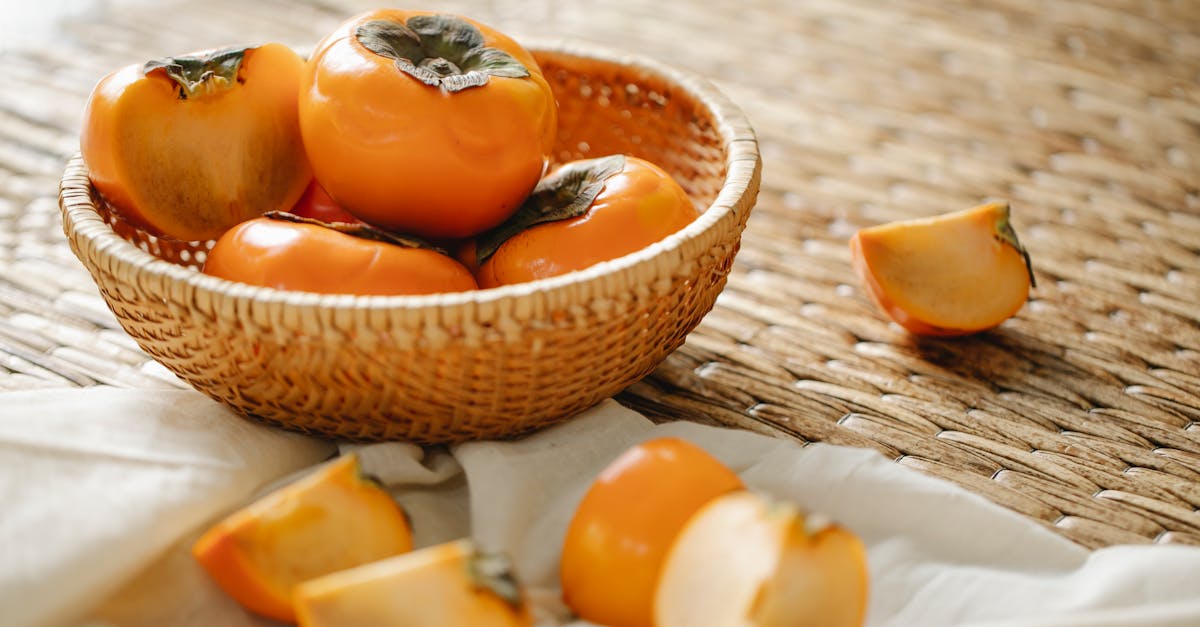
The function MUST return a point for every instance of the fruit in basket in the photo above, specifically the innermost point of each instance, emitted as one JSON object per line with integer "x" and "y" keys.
{"x": 448, "y": 584}
{"x": 583, "y": 213}
{"x": 287, "y": 252}
{"x": 951, "y": 274}
{"x": 428, "y": 124}
{"x": 621, "y": 530}
{"x": 316, "y": 204}
{"x": 186, "y": 147}
{"x": 744, "y": 559}
{"x": 333, "y": 519}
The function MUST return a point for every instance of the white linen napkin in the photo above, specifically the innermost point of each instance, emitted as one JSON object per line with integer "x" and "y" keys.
{"x": 106, "y": 489}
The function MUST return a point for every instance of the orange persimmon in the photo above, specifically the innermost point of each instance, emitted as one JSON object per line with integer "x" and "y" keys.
{"x": 186, "y": 147}
{"x": 744, "y": 559}
{"x": 312, "y": 257}
{"x": 952, "y": 274}
{"x": 316, "y": 204}
{"x": 331, "y": 520}
{"x": 616, "y": 541}
{"x": 583, "y": 213}
{"x": 454, "y": 583}
{"x": 429, "y": 124}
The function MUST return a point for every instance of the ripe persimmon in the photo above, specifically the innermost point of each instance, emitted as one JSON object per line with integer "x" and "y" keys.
{"x": 428, "y": 124}
{"x": 331, "y": 520}
{"x": 952, "y": 274}
{"x": 583, "y": 213}
{"x": 186, "y": 147}
{"x": 307, "y": 256}
{"x": 621, "y": 531}
{"x": 316, "y": 204}
{"x": 454, "y": 583}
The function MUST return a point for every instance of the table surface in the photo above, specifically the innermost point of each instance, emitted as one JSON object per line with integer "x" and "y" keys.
{"x": 1082, "y": 412}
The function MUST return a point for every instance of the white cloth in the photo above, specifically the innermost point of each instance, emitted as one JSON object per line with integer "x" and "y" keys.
{"x": 105, "y": 490}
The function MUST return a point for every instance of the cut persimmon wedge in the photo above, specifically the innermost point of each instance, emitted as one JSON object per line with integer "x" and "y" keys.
{"x": 448, "y": 584}
{"x": 333, "y": 519}
{"x": 953, "y": 274}
{"x": 744, "y": 560}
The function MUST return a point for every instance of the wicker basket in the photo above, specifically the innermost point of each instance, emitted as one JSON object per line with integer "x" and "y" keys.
{"x": 452, "y": 367}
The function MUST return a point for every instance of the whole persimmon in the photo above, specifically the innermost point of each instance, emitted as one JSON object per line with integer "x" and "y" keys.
{"x": 583, "y": 213}
{"x": 428, "y": 124}
{"x": 186, "y": 147}
{"x": 291, "y": 253}
{"x": 622, "y": 529}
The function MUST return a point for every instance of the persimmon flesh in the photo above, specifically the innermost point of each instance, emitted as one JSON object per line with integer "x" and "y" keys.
{"x": 186, "y": 147}
{"x": 331, "y": 520}
{"x": 953, "y": 274}
{"x": 746, "y": 560}
{"x": 446, "y": 584}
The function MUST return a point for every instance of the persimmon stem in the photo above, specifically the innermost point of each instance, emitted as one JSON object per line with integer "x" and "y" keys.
{"x": 201, "y": 75}
{"x": 439, "y": 50}
{"x": 1008, "y": 235}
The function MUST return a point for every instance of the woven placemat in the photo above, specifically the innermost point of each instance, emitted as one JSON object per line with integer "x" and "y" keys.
{"x": 1081, "y": 412}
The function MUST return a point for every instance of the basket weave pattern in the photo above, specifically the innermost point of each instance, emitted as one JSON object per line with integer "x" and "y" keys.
{"x": 452, "y": 367}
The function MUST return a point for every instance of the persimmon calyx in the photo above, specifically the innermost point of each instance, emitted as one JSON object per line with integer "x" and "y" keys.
{"x": 494, "y": 572}
{"x": 565, "y": 194}
{"x": 359, "y": 230}
{"x": 1007, "y": 234}
{"x": 202, "y": 74}
{"x": 439, "y": 50}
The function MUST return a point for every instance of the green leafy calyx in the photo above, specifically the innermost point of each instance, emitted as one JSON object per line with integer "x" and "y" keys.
{"x": 439, "y": 50}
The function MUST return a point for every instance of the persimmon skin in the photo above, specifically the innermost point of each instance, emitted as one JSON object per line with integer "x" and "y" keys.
{"x": 639, "y": 205}
{"x": 311, "y": 258}
{"x": 190, "y": 168}
{"x": 622, "y": 529}
{"x": 260, "y": 553}
{"x": 408, "y": 157}
{"x": 316, "y": 204}
{"x": 945, "y": 276}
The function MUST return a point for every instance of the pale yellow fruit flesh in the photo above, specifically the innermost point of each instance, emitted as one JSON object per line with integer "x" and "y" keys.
{"x": 746, "y": 561}
{"x": 951, "y": 271}
{"x": 432, "y": 587}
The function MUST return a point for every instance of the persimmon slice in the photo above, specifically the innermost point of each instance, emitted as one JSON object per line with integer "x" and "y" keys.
{"x": 746, "y": 560}
{"x": 952, "y": 274}
{"x": 448, "y": 584}
{"x": 331, "y": 520}
{"x": 186, "y": 147}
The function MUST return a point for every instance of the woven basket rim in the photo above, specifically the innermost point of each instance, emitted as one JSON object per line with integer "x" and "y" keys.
{"x": 83, "y": 222}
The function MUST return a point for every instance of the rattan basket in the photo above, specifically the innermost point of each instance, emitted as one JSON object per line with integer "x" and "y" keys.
{"x": 443, "y": 368}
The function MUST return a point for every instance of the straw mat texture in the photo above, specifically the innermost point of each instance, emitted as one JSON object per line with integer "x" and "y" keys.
{"x": 1082, "y": 412}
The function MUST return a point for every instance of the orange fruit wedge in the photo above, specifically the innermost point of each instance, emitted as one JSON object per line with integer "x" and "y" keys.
{"x": 333, "y": 519}
{"x": 744, "y": 560}
{"x": 953, "y": 274}
{"x": 621, "y": 530}
{"x": 448, "y": 584}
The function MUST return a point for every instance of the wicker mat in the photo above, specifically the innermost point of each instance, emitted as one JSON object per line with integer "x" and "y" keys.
{"x": 1082, "y": 412}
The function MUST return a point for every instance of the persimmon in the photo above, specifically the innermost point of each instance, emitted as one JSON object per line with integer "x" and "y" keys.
{"x": 616, "y": 542}
{"x": 744, "y": 559}
{"x": 315, "y": 204}
{"x": 952, "y": 274}
{"x": 429, "y": 124}
{"x": 454, "y": 583}
{"x": 186, "y": 147}
{"x": 331, "y": 520}
{"x": 584, "y": 213}
{"x": 310, "y": 256}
